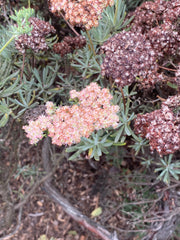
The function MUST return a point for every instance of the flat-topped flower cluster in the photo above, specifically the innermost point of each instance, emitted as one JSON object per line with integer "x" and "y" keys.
{"x": 82, "y": 12}
{"x": 67, "y": 124}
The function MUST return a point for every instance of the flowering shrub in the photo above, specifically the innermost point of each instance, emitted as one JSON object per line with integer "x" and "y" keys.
{"x": 135, "y": 54}
{"x": 67, "y": 124}
{"x": 147, "y": 54}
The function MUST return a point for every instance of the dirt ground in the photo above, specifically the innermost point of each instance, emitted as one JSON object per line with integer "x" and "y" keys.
{"x": 127, "y": 195}
{"x": 87, "y": 186}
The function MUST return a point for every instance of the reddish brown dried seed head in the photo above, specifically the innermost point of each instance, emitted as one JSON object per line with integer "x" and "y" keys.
{"x": 129, "y": 57}
{"x": 36, "y": 41}
{"x": 161, "y": 127}
{"x": 135, "y": 55}
{"x": 69, "y": 44}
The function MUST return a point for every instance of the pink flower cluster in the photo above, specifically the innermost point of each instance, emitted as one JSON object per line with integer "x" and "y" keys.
{"x": 67, "y": 124}
{"x": 82, "y": 12}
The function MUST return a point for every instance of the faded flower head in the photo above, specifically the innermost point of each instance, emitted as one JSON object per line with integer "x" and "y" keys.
{"x": 69, "y": 44}
{"x": 129, "y": 57}
{"x": 34, "y": 113}
{"x": 36, "y": 41}
{"x": 67, "y": 124}
{"x": 164, "y": 39}
{"x": 161, "y": 127}
{"x": 154, "y": 36}
{"x": 152, "y": 14}
{"x": 86, "y": 13}
{"x": 159, "y": 21}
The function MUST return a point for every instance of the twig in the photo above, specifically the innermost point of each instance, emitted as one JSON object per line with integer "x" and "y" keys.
{"x": 35, "y": 214}
{"x": 123, "y": 97}
{"x": 91, "y": 43}
{"x": 169, "y": 69}
{"x": 22, "y": 68}
{"x": 71, "y": 27}
{"x": 66, "y": 206}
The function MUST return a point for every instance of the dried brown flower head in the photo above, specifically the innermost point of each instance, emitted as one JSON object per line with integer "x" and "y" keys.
{"x": 158, "y": 21}
{"x": 164, "y": 39}
{"x": 151, "y": 14}
{"x": 154, "y": 36}
{"x": 172, "y": 11}
{"x": 33, "y": 113}
{"x": 129, "y": 57}
{"x": 161, "y": 127}
{"x": 69, "y": 44}
{"x": 36, "y": 41}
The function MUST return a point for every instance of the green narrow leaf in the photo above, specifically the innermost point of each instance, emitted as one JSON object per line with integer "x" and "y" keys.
{"x": 5, "y": 109}
{"x": 95, "y": 154}
{"x": 118, "y": 135}
{"x": 99, "y": 152}
{"x": 173, "y": 173}
{"x": 36, "y": 74}
{"x": 71, "y": 149}
{"x": 104, "y": 150}
{"x": 127, "y": 130}
{"x": 4, "y": 120}
{"x": 75, "y": 156}
{"x": 166, "y": 178}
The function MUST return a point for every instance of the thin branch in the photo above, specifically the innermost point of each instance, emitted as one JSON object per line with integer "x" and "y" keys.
{"x": 71, "y": 27}
{"x": 66, "y": 206}
{"x": 169, "y": 69}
